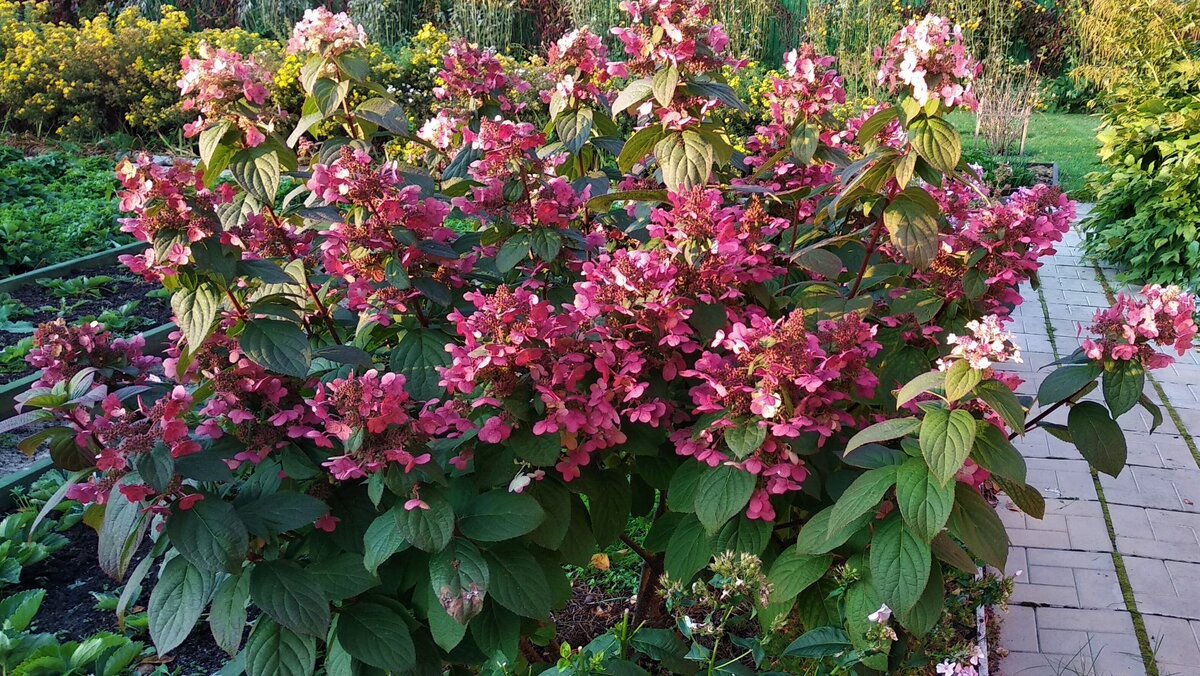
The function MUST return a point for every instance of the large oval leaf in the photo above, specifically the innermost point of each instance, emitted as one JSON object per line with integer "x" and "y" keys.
{"x": 291, "y": 596}
{"x": 210, "y": 535}
{"x": 176, "y": 603}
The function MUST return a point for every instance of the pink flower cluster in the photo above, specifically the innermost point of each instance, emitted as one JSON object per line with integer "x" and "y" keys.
{"x": 987, "y": 345}
{"x": 60, "y": 351}
{"x": 784, "y": 379}
{"x": 928, "y": 60}
{"x": 119, "y": 436}
{"x": 1131, "y": 328}
{"x": 359, "y": 249}
{"x": 579, "y": 68}
{"x": 375, "y": 423}
{"x": 215, "y": 82}
{"x": 1013, "y": 234}
{"x": 809, "y": 91}
{"x": 324, "y": 33}
{"x": 670, "y": 31}
{"x": 508, "y": 157}
{"x": 164, "y": 198}
{"x": 471, "y": 76}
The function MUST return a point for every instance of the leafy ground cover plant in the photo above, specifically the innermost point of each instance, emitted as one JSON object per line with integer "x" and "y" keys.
{"x": 389, "y": 436}
{"x": 54, "y": 207}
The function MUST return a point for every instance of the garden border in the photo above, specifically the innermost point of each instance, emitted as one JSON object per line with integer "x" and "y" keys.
{"x": 155, "y": 339}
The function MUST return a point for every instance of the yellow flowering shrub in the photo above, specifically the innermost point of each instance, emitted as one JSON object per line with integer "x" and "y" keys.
{"x": 106, "y": 74}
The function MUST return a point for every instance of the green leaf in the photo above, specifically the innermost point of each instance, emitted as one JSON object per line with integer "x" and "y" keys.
{"x": 804, "y": 142}
{"x": 499, "y": 515}
{"x": 816, "y": 537}
{"x": 555, "y": 501}
{"x": 517, "y": 582}
{"x": 721, "y": 493}
{"x": 496, "y": 631}
{"x": 342, "y": 576}
{"x": 946, "y": 441}
{"x": 196, "y": 312}
{"x": 446, "y": 632}
{"x": 883, "y": 431}
{"x": 913, "y": 228}
{"x": 663, "y": 84}
{"x": 936, "y": 142}
{"x": 277, "y": 346}
{"x": 227, "y": 617}
{"x": 427, "y": 529}
{"x": 1004, "y": 402}
{"x": 610, "y": 499}
{"x": 157, "y": 468}
{"x": 417, "y": 356}
{"x": 745, "y": 438}
{"x": 794, "y": 571}
{"x": 514, "y": 250}
{"x": 273, "y": 650}
{"x": 176, "y": 603}
{"x": 995, "y": 453}
{"x": 689, "y": 549}
{"x": 927, "y": 611}
{"x": 961, "y": 380}
{"x": 862, "y": 599}
{"x": 861, "y": 497}
{"x": 457, "y": 575}
{"x": 821, "y": 262}
{"x": 329, "y": 95}
{"x": 384, "y": 113}
{"x": 210, "y": 535}
{"x": 257, "y": 171}
{"x": 1098, "y": 437}
{"x": 926, "y": 382}
{"x": 875, "y": 124}
{"x": 280, "y": 512}
{"x": 900, "y": 564}
{"x": 1025, "y": 497}
{"x": 291, "y": 596}
{"x": 975, "y": 523}
{"x": 743, "y": 536}
{"x": 1122, "y": 384}
{"x": 634, "y": 94}
{"x": 924, "y": 503}
{"x": 947, "y": 551}
{"x": 383, "y": 539}
{"x": 574, "y": 128}
{"x": 377, "y": 635}
{"x": 121, "y": 531}
{"x": 716, "y": 91}
{"x": 1064, "y": 382}
{"x": 18, "y": 610}
{"x": 681, "y": 494}
{"x": 819, "y": 643}
{"x": 686, "y": 159}
{"x": 638, "y": 146}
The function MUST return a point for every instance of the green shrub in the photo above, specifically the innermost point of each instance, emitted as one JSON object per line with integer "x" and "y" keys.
{"x": 1147, "y": 215}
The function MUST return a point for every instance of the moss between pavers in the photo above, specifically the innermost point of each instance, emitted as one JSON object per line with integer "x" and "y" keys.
{"x": 1139, "y": 624}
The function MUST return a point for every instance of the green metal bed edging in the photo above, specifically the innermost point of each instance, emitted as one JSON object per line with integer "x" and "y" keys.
{"x": 82, "y": 263}
{"x": 21, "y": 479}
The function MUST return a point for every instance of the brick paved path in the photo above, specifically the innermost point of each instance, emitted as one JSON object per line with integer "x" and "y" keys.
{"x": 1068, "y": 613}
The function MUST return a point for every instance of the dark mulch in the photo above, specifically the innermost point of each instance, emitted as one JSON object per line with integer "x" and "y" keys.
{"x": 68, "y": 610}
{"x": 123, "y": 289}
{"x": 588, "y": 614}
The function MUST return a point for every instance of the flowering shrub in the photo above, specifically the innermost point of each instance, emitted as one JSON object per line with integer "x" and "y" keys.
{"x": 389, "y": 435}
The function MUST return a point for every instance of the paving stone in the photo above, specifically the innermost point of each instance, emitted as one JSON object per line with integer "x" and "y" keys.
{"x": 1173, "y": 641}
{"x": 1068, "y": 613}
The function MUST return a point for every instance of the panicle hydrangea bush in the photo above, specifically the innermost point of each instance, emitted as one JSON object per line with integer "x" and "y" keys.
{"x": 402, "y": 397}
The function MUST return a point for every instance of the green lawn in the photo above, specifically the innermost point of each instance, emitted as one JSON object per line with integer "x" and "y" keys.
{"x": 1066, "y": 138}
